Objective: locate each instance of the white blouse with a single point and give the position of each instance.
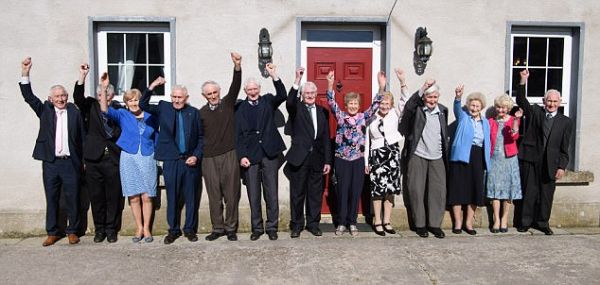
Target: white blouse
(375, 139)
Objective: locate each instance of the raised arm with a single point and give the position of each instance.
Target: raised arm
(292, 98)
(521, 98)
(280, 93)
(147, 94)
(401, 101)
(459, 91)
(78, 93)
(236, 82)
(104, 81)
(34, 102)
(331, 95)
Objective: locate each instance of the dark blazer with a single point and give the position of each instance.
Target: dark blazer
(300, 127)
(250, 141)
(96, 139)
(413, 122)
(555, 154)
(166, 148)
(44, 149)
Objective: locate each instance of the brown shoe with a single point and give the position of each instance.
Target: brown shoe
(73, 238)
(50, 240)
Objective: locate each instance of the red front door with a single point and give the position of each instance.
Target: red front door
(353, 73)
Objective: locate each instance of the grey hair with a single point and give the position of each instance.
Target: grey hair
(251, 80)
(550, 91)
(179, 87)
(434, 88)
(58, 86)
(308, 84)
(210, 82)
(109, 90)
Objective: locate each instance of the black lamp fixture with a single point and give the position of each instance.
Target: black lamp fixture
(265, 51)
(423, 50)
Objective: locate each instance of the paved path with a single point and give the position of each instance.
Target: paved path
(569, 257)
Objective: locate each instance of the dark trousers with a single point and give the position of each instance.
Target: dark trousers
(261, 178)
(538, 194)
(222, 178)
(58, 175)
(350, 176)
(183, 188)
(103, 184)
(306, 193)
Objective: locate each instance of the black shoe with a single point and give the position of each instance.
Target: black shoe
(231, 236)
(99, 237)
(193, 237)
(422, 232)
(255, 236)
(379, 233)
(494, 231)
(111, 238)
(437, 232)
(272, 235)
(546, 230)
(295, 234)
(522, 229)
(457, 231)
(503, 230)
(470, 231)
(389, 230)
(315, 231)
(170, 238)
(213, 236)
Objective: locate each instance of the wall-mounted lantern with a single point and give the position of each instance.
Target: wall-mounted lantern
(265, 51)
(423, 50)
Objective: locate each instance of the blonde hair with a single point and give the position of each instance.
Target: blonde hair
(476, 96)
(504, 101)
(388, 95)
(351, 96)
(130, 94)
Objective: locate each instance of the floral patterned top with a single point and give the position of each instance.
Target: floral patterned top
(351, 130)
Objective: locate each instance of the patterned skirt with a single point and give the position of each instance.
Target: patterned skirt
(385, 171)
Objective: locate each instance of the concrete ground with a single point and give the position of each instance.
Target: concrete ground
(571, 256)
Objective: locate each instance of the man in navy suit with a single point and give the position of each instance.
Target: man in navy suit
(309, 157)
(180, 143)
(259, 146)
(59, 146)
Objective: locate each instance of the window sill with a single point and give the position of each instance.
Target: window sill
(573, 178)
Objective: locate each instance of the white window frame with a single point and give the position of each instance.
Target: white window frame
(566, 65)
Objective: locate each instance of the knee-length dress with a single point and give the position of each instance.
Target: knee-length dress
(385, 168)
(138, 172)
(503, 180)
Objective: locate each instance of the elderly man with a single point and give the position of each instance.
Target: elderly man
(180, 143)
(543, 156)
(221, 170)
(424, 125)
(309, 157)
(101, 157)
(59, 146)
(259, 146)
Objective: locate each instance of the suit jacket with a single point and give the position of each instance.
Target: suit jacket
(130, 139)
(96, 139)
(251, 141)
(300, 127)
(166, 148)
(413, 122)
(44, 149)
(553, 155)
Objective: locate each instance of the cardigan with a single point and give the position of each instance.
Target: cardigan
(463, 138)
(130, 138)
(510, 139)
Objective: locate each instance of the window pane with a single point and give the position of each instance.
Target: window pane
(516, 78)
(114, 47)
(555, 79)
(339, 36)
(536, 84)
(156, 71)
(113, 76)
(561, 110)
(537, 51)
(520, 51)
(555, 52)
(156, 48)
(136, 47)
(139, 78)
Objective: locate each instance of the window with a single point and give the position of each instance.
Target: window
(134, 54)
(548, 58)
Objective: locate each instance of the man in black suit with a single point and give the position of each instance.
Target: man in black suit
(101, 157)
(59, 146)
(259, 146)
(180, 143)
(309, 157)
(543, 156)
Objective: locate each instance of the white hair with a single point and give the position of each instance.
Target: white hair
(110, 90)
(434, 88)
(308, 84)
(552, 91)
(179, 87)
(249, 81)
(58, 86)
(210, 82)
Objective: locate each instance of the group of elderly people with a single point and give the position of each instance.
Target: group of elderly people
(115, 150)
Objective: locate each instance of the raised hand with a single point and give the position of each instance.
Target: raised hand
(330, 80)
(299, 74)
(401, 75)
(104, 81)
(459, 91)
(157, 82)
(84, 69)
(381, 80)
(524, 76)
(428, 83)
(237, 60)
(26, 66)
(271, 70)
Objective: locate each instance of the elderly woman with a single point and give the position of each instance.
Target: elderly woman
(349, 152)
(137, 165)
(469, 158)
(383, 154)
(503, 179)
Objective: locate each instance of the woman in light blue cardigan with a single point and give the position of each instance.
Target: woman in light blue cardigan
(469, 158)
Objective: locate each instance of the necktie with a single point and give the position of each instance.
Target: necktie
(180, 132)
(59, 132)
(313, 118)
(107, 128)
(253, 103)
(548, 116)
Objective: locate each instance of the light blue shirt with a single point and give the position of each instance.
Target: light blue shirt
(478, 131)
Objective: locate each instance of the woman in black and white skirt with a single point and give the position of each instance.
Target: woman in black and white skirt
(383, 158)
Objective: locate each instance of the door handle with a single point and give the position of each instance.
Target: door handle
(339, 86)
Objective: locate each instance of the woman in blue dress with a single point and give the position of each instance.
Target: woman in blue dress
(137, 165)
